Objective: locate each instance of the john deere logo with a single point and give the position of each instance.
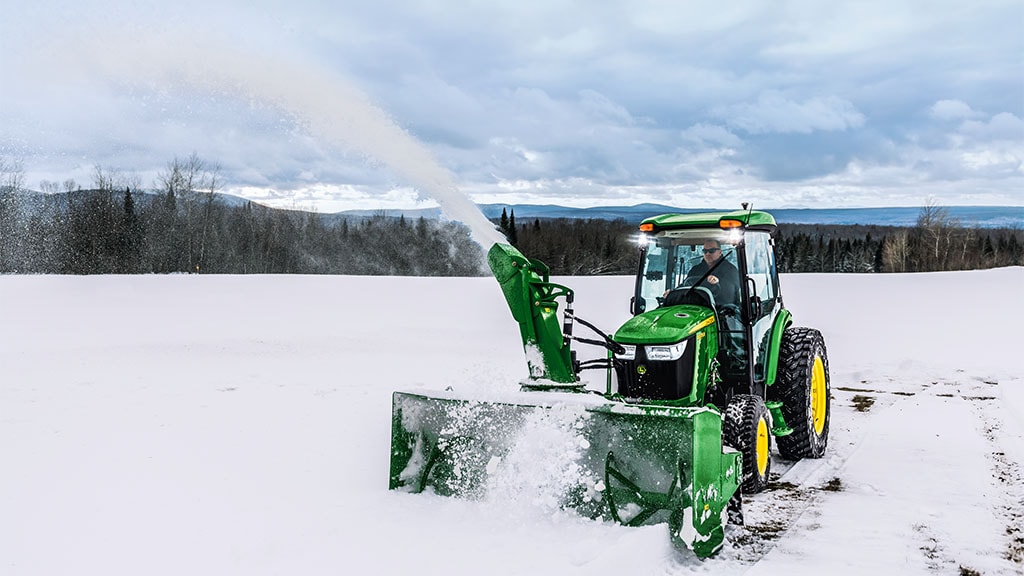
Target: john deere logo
(641, 369)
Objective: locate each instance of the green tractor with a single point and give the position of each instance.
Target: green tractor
(698, 382)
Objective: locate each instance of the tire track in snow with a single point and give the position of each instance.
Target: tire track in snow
(799, 489)
(796, 487)
(982, 399)
(1007, 476)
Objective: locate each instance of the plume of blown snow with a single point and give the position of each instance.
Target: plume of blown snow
(321, 101)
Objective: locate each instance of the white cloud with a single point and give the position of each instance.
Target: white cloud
(952, 110)
(703, 133)
(776, 113)
(600, 106)
(1002, 126)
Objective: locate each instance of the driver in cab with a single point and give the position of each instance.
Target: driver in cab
(724, 280)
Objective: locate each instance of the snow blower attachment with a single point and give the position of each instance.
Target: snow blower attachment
(699, 381)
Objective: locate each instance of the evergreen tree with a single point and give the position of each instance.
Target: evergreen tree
(1015, 250)
(130, 236)
(513, 236)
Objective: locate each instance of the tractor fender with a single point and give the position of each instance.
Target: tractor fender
(782, 321)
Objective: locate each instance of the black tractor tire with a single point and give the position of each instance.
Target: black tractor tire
(804, 390)
(747, 428)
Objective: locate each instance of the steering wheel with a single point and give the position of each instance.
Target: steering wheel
(676, 294)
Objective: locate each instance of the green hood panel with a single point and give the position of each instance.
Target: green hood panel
(664, 325)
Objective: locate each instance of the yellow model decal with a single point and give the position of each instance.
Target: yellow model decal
(704, 324)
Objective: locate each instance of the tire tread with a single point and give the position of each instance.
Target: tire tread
(796, 363)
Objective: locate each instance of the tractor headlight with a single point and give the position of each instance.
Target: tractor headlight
(628, 354)
(671, 352)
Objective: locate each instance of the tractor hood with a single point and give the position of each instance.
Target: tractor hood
(666, 325)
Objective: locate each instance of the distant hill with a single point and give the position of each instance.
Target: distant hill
(970, 216)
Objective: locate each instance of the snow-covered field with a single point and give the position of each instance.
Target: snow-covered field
(241, 426)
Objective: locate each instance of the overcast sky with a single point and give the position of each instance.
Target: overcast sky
(340, 104)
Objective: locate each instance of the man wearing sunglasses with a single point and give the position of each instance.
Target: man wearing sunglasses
(724, 280)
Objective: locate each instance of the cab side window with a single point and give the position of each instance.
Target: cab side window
(761, 264)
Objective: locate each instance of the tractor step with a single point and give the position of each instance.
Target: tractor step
(779, 427)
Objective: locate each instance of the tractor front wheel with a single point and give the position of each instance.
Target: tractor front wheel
(747, 429)
(804, 390)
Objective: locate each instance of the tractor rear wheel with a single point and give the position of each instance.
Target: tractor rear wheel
(746, 428)
(803, 388)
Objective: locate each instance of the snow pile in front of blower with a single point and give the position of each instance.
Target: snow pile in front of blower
(543, 471)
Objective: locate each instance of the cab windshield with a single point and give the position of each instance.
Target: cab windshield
(674, 254)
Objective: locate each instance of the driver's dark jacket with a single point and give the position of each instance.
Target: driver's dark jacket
(727, 291)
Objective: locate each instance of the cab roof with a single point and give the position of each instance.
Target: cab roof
(749, 220)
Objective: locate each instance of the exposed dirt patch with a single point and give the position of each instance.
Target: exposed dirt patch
(770, 530)
(965, 571)
(931, 548)
(871, 391)
(1015, 550)
(833, 485)
(769, 518)
(863, 403)
(788, 486)
(848, 389)
(1009, 475)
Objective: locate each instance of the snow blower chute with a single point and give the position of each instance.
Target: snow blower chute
(699, 381)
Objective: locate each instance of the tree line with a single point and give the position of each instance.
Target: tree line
(937, 242)
(184, 226)
(575, 247)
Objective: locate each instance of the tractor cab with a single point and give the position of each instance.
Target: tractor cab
(724, 262)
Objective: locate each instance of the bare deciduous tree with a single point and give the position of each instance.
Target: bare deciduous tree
(939, 229)
(12, 175)
(895, 252)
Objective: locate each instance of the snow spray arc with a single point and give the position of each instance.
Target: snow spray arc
(319, 100)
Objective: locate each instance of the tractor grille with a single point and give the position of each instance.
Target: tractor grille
(656, 379)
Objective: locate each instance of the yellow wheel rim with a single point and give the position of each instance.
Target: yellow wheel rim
(762, 447)
(819, 395)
